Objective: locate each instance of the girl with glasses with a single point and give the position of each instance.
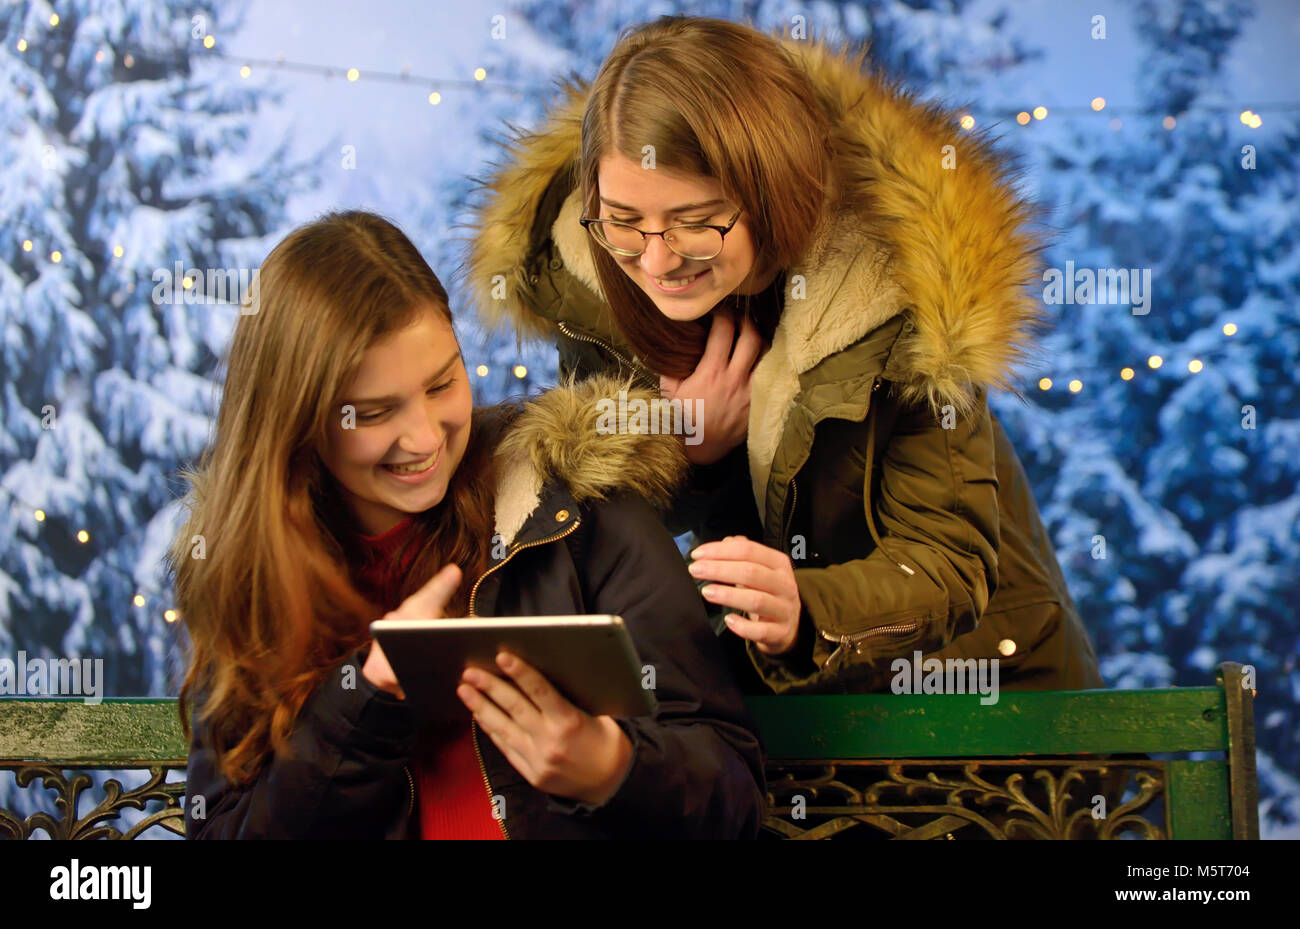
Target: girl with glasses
(835, 274)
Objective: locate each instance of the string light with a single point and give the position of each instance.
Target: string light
(82, 536)
(481, 370)
(22, 45)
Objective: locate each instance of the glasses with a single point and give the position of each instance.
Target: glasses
(695, 241)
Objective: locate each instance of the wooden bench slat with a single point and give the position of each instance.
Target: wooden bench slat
(123, 731)
(957, 725)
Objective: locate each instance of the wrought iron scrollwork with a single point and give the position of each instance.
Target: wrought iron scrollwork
(99, 822)
(1002, 799)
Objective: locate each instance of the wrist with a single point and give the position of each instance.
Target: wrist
(618, 761)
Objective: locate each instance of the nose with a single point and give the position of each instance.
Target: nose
(658, 259)
(420, 436)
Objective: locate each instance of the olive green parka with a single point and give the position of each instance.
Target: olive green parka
(872, 457)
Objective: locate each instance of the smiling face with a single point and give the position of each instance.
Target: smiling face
(656, 199)
(412, 406)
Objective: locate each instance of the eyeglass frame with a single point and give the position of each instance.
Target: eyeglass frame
(586, 222)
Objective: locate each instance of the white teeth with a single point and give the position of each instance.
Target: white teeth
(677, 284)
(415, 468)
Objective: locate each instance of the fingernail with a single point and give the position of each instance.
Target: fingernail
(708, 590)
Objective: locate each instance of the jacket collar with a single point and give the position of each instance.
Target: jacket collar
(555, 455)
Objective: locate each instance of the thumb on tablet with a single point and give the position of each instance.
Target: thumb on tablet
(429, 601)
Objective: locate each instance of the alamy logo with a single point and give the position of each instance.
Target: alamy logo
(52, 677)
(1116, 286)
(659, 416)
(226, 286)
(103, 882)
(954, 676)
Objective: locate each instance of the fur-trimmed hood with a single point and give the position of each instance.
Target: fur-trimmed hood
(559, 436)
(938, 230)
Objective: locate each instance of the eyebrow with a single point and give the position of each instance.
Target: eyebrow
(686, 208)
(391, 398)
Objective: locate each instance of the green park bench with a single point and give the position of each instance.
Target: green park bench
(1052, 764)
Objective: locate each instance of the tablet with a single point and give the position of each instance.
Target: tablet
(589, 659)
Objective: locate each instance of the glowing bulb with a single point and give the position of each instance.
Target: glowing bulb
(1126, 374)
(481, 370)
(54, 19)
(22, 47)
(1099, 103)
(968, 122)
(1169, 122)
(138, 600)
(170, 616)
(1076, 385)
(118, 251)
(56, 256)
(1023, 118)
(479, 74)
(1045, 383)
(1228, 328)
(353, 74)
(40, 516)
(435, 98)
(245, 71)
(1195, 366)
(209, 41)
(520, 371)
(1040, 112)
(187, 282)
(27, 245)
(83, 536)
(1155, 361)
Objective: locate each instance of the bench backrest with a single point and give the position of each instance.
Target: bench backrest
(916, 766)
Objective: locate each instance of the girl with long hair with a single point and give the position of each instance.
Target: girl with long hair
(835, 275)
(350, 479)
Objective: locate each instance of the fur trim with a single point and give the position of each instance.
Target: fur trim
(510, 197)
(555, 437)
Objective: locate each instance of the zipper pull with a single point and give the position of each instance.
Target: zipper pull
(843, 643)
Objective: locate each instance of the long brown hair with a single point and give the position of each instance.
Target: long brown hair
(264, 565)
(716, 99)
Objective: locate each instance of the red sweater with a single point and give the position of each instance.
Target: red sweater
(451, 785)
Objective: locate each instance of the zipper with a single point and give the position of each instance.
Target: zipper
(502, 563)
(473, 726)
(583, 337)
(854, 639)
(487, 785)
(410, 808)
